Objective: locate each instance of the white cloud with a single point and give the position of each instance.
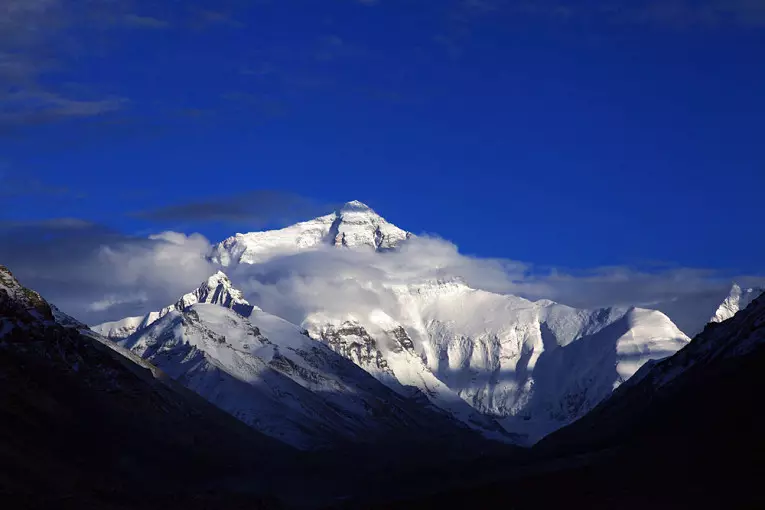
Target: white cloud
(114, 300)
(96, 275)
(341, 281)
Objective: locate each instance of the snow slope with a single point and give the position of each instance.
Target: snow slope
(354, 225)
(536, 365)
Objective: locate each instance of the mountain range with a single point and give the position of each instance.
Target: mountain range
(429, 374)
(510, 368)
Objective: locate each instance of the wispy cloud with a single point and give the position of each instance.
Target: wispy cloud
(149, 22)
(255, 208)
(97, 274)
(201, 18)
(48, 225)
(342, 282)
(30, 42)
(24, 187)
(658, 13)
(35, 106)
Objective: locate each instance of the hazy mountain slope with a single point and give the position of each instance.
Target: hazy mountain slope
(85, 426)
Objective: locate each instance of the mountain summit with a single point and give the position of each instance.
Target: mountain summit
(355, 205)
(354, 225)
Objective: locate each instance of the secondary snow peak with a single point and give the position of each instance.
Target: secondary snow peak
(216, 290)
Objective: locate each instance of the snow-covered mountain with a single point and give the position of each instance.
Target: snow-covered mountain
(217, 290)
(534, 365)
(738, 299)
(692, 313)
(480, 356)
(269, 374)
(354, 225)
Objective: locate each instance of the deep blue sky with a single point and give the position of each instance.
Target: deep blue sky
(570, 136)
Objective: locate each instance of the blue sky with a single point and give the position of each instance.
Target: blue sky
(574, 135)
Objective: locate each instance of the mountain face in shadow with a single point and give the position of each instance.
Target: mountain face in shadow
(84, 426)
(682, 433)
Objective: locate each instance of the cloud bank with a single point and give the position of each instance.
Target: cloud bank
(257, 207)
(98, 275)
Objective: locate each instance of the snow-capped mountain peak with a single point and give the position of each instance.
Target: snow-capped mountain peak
(216, 290)
(354, 225)
(737, 300)
(355, 205)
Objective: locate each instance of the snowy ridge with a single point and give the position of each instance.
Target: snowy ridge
(355, 225)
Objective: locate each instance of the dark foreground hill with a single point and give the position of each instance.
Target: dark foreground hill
(83, 426)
